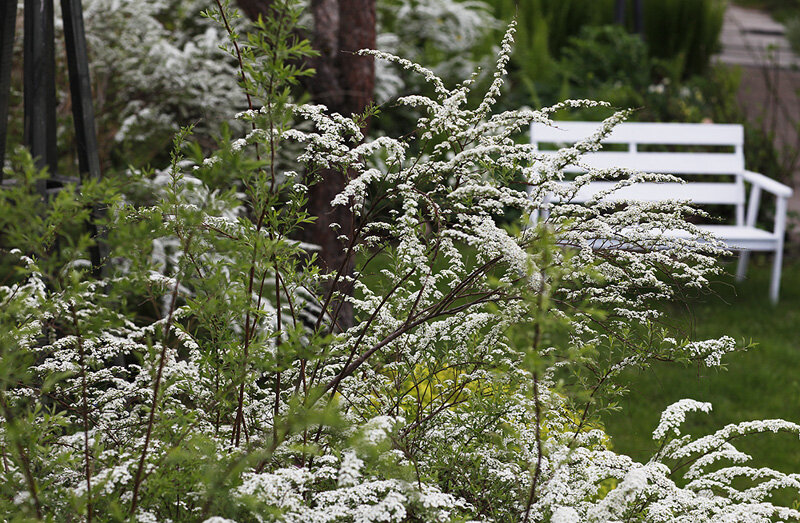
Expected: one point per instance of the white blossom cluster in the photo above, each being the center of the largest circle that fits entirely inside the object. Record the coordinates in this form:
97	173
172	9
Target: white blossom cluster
158	75
442	33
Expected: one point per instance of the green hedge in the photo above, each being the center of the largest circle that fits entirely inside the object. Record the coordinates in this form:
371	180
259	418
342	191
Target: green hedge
682	30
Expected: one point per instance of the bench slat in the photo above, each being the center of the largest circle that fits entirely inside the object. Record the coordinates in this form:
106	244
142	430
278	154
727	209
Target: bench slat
696	192
643	133
732	236
673	163
737	237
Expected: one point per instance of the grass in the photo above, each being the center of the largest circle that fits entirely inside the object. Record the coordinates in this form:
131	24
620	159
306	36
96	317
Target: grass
761	383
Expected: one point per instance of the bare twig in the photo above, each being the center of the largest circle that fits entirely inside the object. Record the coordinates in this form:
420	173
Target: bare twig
25	462
84	414
154	401
538	470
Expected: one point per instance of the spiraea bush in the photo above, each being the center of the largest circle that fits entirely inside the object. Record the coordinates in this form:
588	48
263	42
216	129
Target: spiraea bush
205	376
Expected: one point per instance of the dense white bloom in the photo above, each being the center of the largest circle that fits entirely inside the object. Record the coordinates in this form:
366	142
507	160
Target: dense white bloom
156	74
675	415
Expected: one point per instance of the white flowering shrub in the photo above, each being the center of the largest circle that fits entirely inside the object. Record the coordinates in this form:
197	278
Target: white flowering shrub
449	36
155	65
205	377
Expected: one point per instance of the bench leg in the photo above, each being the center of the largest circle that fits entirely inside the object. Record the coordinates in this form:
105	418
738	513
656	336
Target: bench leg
775	283
741	267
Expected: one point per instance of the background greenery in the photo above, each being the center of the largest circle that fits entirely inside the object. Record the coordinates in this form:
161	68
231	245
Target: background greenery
761	383
572	49
683	33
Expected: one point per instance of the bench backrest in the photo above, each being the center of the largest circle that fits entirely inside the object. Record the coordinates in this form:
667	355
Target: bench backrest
712	153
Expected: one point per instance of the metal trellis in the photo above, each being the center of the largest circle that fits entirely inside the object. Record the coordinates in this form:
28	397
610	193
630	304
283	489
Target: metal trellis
39	85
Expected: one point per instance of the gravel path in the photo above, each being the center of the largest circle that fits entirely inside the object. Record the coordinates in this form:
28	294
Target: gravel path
770	82
752	38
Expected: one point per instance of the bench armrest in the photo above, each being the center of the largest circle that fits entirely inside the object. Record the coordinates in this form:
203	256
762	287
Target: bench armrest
767	184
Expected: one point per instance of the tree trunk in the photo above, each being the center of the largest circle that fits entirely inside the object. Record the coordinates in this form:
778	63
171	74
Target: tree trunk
344	82
254	8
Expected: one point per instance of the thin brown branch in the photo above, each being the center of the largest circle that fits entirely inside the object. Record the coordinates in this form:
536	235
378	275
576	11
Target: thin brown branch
538	470
154	401
25	463
338	379
84	415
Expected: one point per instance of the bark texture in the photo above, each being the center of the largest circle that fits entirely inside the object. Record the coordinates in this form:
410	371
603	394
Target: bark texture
344	82
253	8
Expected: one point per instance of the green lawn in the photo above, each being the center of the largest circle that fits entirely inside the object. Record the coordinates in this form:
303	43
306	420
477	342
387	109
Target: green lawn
759	384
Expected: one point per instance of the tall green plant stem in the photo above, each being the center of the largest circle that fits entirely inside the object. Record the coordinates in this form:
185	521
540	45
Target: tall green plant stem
84	415
137	482
250	327
537	337
25	461
240	60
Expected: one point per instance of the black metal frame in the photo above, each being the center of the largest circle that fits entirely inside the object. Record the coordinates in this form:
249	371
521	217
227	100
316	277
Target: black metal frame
8	23
40	90
620	11
80	88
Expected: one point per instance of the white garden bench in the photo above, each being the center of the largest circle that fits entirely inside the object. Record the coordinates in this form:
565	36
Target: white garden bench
723	179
